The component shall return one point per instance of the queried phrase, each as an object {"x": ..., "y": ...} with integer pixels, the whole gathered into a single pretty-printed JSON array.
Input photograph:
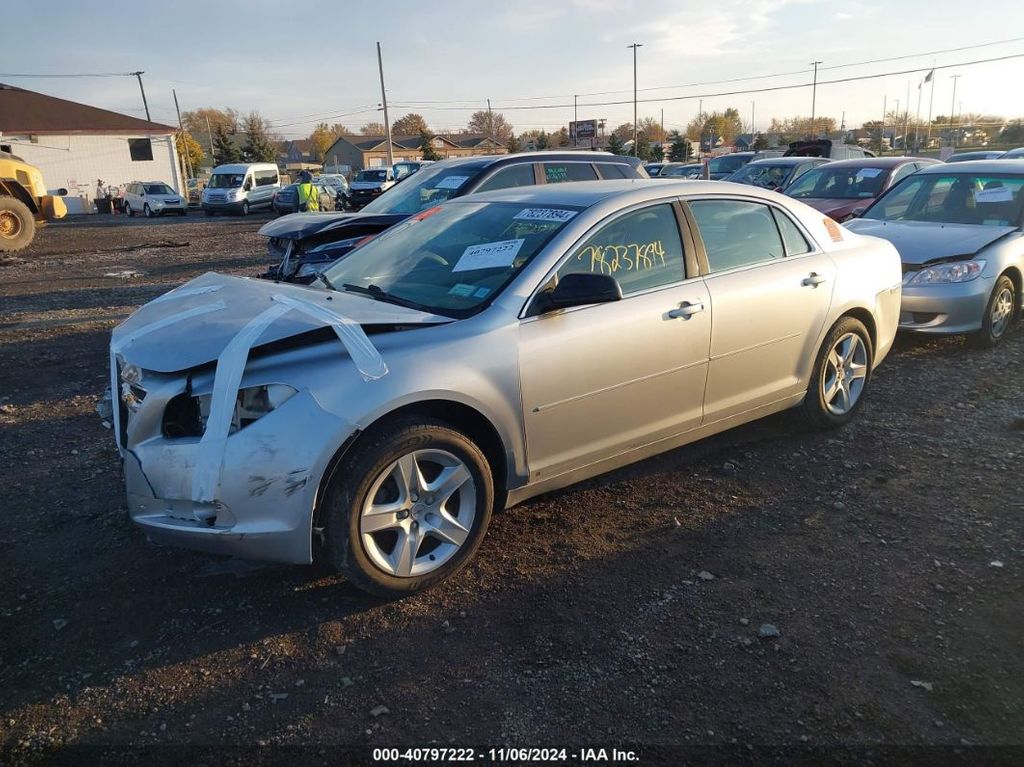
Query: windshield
[
  {"x": 766, "y": 176},
  {"x": 430, "y": 186},
  {"x": 453, "y": 259},
  {"x": 839, "y": 183},
  {"x": 158, "y": 189},
  {"x": 953, "y": 198},
  {"x": 686, "y": 171},
  {"x": 226, "y": 180},
  {"x": 728, "y": 163},
  {"x": 372, "y": 175}
]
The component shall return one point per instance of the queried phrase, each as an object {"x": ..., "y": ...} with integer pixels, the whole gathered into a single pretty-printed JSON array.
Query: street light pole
[
  {"x": 814, "y": 96},
  {"x": 952, "y": 109},
  {"x": 634, "y": 46}
]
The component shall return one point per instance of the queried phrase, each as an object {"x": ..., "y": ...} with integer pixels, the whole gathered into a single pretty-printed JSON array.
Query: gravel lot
[{"x": 630, "y": 609}]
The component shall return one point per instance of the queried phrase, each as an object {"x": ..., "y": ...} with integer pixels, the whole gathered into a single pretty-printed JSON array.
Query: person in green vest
[{"x": 309, "y": 195}]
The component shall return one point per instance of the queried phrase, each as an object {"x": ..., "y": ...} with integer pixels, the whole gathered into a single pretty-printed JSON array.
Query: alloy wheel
[
  {"x": 844, "y": 374},
  {"x": 1002, "y": 311},
  {"x": 418, "y": 513}
]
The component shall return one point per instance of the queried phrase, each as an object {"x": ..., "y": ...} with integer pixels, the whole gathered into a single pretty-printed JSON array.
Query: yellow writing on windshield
[{"x": 631, "y": 257}]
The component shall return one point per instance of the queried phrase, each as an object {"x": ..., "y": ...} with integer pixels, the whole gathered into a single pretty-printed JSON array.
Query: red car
[{"x": 839, "y": 188}]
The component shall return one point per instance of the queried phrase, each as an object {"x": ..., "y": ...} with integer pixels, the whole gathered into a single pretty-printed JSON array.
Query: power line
[
  {"x": 79, "y": 74},
  {"x": 749, "y": 90}
]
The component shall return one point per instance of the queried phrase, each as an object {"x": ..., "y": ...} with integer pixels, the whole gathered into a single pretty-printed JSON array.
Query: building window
[{"x": 141, "y": 149}]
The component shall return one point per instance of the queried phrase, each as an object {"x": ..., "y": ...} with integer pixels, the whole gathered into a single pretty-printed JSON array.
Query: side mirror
[{"x": 579, "y": 290}]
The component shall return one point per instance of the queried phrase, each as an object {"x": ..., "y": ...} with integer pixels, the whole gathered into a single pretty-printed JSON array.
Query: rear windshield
[
  {"x": 428, "y": 187},
  {"x": 828, "y": 183},
  {"x": 953, "y": 198},
  {"x": 226, "y": 180},
  {"x": 727, "y": 163}
]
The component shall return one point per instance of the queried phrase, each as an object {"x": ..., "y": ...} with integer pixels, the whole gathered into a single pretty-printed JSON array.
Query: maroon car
[{"x": 839, "y": 188}]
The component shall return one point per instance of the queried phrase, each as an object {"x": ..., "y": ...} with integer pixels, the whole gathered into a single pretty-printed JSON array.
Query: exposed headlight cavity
[{"x": 186, "y": 416}]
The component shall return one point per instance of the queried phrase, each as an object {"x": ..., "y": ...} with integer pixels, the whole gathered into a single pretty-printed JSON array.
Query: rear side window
[
  {"x": 737, "y": 233},
  {"x": 614, "y": 170},
  {"x": 510, "y": 176},
  {"x": 794, "y": 240},
  {"x": 266, "y": 177},
  {"x": 557, "y": 172},
  {"x": 641, "y": 250}
]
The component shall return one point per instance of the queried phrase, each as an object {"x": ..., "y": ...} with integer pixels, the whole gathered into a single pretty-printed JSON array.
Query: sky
[{"x": 300, "y": 63}]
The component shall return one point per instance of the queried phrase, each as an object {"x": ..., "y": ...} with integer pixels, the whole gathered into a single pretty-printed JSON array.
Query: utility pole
[
  {"x": 814, "y": 96},
  {"x": 917, "y": 119},
  {"x": 576, "y": 122},
  {"x": 144, "y": 102},
  {"x": 213, "y": 153},
  {"x": 188, "y": 163},
  {"x": 881, "y": 131},
  {"x": 952, "y": 108},
  {"x": 384, "y": 103},
  {"x": 895, "y": 125},
  {"x": 662, "y": 125},
  {"x": 752, "y": 132},
  {"x": 634, "y": 46}
]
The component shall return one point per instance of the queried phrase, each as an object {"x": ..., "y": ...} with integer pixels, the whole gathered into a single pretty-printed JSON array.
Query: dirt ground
[{"x": 627, "y": 610}]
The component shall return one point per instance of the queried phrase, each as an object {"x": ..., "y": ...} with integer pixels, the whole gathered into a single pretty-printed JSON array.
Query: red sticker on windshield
[
  {"x": 426, "y": 213},
  {"x": 833, "y": 230}
]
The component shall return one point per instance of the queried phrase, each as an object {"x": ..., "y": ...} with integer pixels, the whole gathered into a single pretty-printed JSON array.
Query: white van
[{"x": 241, "y": 187}]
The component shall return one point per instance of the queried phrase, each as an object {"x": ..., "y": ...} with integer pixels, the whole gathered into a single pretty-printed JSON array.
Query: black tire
[
  {"x": 244, "y": 210},
  {"x": 128, "y": 210},
  {"x": 182, "y": 212},
  {"x": 17, "y": 225},
  {"x": 148, "y": 211},
  {"x": 815, "y": 407},
  {"x": 992, "y": 332},
  {"x": 353, "y": 479},
  {"x": 209, "y": 212}
]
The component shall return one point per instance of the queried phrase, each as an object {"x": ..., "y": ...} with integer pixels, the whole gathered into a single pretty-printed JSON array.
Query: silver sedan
[
  {"x": 482, "y": 352},
  {"x": 958, "y": 231}
]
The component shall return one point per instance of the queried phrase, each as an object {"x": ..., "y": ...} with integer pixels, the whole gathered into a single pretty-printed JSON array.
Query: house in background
[
  {"x": 297, "y": 155},
  {"x": 359, "y": 152},
  {"x": 74, "y": 145}
]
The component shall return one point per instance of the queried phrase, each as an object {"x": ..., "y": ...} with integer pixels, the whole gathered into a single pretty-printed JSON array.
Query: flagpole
[
  {"x": 928, "y": 138},
  {"x": 906, "y": 123},
  {"x": 917, "y": 120}
]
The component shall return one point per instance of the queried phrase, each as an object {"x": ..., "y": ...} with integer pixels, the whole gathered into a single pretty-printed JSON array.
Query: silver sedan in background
[
  {"x": 484, "y": 351},
  {"x": 958, "y": 231}
]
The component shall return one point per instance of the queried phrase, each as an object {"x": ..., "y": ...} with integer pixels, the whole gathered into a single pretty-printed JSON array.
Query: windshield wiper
[
  {"x": 379, "y": 294},
  {"x": 323, "y": 278}
]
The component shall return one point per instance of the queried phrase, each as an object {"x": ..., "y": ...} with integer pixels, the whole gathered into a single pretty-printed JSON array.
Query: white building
[{"x": 75, "y": 145}]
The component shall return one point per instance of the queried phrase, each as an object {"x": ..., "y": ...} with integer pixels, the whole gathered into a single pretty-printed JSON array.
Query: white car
[{"x": 153, "y": 198}]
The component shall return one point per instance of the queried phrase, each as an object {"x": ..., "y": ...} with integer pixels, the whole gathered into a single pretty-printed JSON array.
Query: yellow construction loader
[{"x": 24, "y": 203}]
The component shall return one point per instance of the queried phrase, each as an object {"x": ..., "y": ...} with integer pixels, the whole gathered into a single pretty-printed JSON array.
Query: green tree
[
  {"x": 760, "y": 142},
  {"x": 409, "y": 125},
  {"x": 224, "y": 149},
  {"x": 615, "y": 143},
  {"x": 512, "y": 144},
  {"x": 258, "y": 146},
  {"x": 542, "y": 140},
  {"x": 427, "y": 151},
  {"x": 190, "y": 150},
  {"x": 657, "y": 152},
  {"x": 561, "y": 138},
  {"x": 680, "y": 149},
  {"x": 643, "y": 149}
]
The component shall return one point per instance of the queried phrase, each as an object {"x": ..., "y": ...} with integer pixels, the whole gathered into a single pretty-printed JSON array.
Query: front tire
[
  {"x": 17, "y": 225},
  {"x": 841, "y": 374},
  {"x": 147, "y": 210},
  {"x": 408, "y": 508},
  {"x": 244, "y": 210},
  {"x": 128, "y": 210},
  {"x": 999, "y": 315}
]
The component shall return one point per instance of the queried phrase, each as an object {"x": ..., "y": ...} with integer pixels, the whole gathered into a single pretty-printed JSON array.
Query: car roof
[
  {"x": 484, "y": 161},
  {"x": 875, "y": 162},
  {"x": 585, "y": 194},
  {"x": 793, "y": 160},
  {"x": 1011, "y": 166}
]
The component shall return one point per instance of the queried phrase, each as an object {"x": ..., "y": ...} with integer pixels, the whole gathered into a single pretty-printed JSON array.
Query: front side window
[
  {"x": 140, "y": 149},
  {"x": 953, "y": 198},
  {"x": 452, "y": 260},
  {"x": 737, "y": 233},
  {"x": 641, "y": 250},
  {"x": 839, "y": 183},
  {"x": 510, "y": 176},
  {"x": 557, "y": 172}
]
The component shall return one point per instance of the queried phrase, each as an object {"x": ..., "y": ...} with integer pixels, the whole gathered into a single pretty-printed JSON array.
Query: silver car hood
[
  {"x": 919, "y": 242},
  {"x": 200, "y": 338}
]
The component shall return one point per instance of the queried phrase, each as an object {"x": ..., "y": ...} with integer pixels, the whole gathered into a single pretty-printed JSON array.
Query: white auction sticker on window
[
  {"x": 869, "y": 172},
  {"x": 545, "y": 214},
  {"x": 995, "y": 194},
  {"x": 451, "y": 182},
  {"x": 489, "y": 255}
]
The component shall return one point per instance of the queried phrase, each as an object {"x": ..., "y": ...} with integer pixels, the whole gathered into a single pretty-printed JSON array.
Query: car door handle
[
  {"x": 812, "y": 280},
  {"x": 686, "y": 310}
]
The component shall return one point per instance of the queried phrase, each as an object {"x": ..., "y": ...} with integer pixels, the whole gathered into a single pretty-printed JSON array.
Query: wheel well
[
  {"x": 462, "y": 417},
  {"x": 11, "y": 188},
  {"x": 1018, "y": 286},
  {"x": 864, "y": 316}
]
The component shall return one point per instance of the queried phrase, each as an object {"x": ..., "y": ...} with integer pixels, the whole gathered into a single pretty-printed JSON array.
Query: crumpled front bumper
[
  {"x": 268, "y": 487},
  {"x": 945, "y": 309}
]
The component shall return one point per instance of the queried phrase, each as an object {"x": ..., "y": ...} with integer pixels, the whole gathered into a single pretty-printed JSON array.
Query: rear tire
[
  {"x": 1000, "y": 312},
  {"x": 17, "y": 225},
  {"x": 370, "y": 479},
  {"x": 841, "y": 375}
]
